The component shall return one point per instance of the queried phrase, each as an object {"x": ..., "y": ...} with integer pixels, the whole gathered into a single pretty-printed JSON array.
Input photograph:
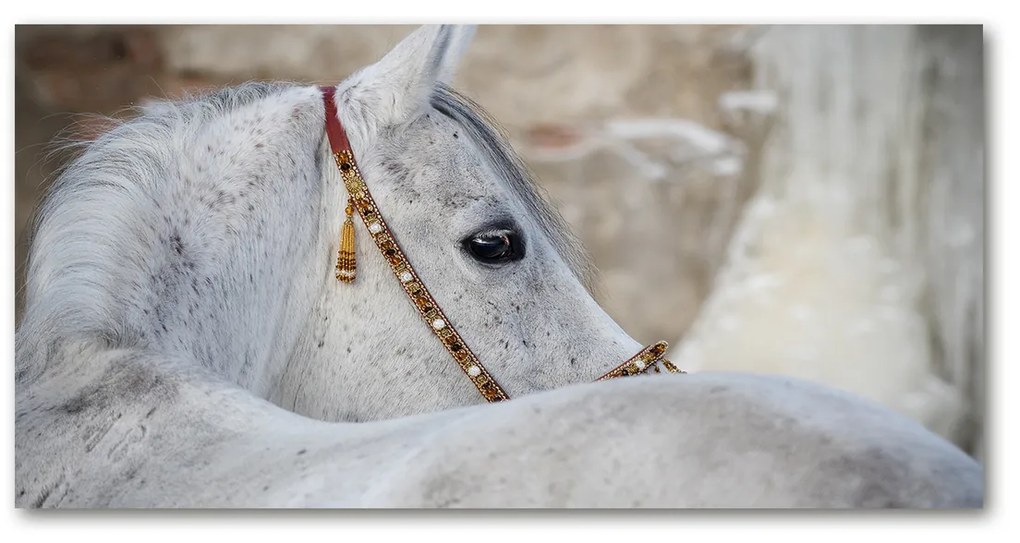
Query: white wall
[{"x": 859, "y": 262}]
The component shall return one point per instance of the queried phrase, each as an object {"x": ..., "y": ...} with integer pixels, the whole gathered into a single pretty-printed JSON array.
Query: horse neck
[{"x": 358, "y": 340}]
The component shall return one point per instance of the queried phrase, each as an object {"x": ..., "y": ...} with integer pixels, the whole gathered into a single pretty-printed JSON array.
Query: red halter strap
[{"x": 338, "y": 140}]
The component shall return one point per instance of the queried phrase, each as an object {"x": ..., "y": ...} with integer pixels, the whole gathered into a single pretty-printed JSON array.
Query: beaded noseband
[{"x": 360, "y": 200}]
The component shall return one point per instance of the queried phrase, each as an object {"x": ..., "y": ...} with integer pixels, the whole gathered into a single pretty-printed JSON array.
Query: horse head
[
  {"x": 209, "y": 228},
  {"x": 496, "y": 255}
]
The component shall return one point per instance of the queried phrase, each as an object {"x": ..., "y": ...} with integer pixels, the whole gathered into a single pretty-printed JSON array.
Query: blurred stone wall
[{"x": 859, "y": 260}]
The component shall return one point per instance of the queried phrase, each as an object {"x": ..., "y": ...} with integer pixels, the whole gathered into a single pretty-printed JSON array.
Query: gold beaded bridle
[{"x": 360, "y": 199}]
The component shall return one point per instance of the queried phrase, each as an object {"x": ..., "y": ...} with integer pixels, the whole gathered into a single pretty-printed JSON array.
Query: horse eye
[{"x": 495, "y": 246}]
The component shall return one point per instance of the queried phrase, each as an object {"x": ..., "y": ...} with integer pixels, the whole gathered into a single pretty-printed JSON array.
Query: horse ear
[{"x": 399, "y": 86}]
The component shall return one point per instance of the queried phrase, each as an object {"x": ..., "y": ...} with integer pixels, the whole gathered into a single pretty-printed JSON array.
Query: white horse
[{"x": 185, "y": 343}]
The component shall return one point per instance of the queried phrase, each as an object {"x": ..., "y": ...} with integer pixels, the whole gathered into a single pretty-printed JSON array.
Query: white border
[{"x": 1002, "y": 57}]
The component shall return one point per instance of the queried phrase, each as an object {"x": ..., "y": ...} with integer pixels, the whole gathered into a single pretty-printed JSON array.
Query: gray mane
[
  {"x": 223, "y": 99},
  {"x": 151, "y": 119},
  {"x": 485, "y": 132}
]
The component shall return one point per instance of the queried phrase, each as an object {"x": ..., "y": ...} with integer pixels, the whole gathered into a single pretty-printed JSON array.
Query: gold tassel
[{"x": 346, "y": 264}]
